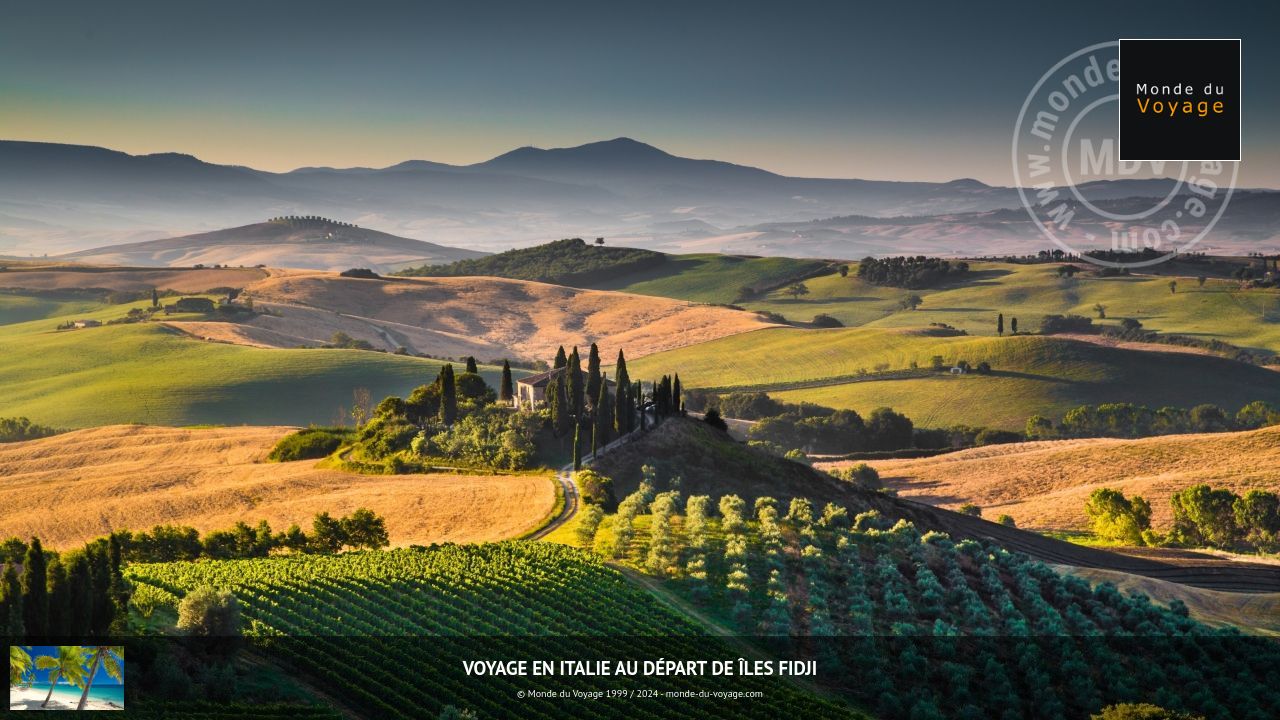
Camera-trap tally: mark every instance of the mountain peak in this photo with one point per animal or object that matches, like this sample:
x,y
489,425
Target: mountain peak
x,y
621,148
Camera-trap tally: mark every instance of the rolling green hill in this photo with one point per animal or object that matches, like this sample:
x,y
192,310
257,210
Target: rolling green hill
x,y
711,278
563,262
151,373
1248,318
23,308
1031,374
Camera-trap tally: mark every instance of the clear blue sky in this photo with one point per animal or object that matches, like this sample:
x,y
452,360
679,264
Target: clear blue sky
x,y
42,676
880,90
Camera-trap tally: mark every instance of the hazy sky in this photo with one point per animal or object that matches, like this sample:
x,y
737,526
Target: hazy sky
x,y
877,90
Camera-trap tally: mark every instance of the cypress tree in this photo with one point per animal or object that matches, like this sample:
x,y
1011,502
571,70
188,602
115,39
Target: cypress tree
x,y
155,298
59,598
604,419
593,373
677,401
644,417
12,603
103,608
558,405
637,403
561,361
80,592
577,446
1000,324
505,390
1013,326
35,591
623,410
471,365
448,395
576,386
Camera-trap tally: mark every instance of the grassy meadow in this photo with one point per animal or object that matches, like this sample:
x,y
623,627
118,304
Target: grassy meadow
x,y
1030,374
151,373
1248,318
709,277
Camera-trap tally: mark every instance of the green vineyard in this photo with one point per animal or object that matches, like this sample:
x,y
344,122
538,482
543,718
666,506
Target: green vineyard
x,y
386,633
919,627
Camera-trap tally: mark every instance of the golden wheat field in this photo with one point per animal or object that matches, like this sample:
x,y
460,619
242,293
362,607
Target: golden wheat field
x,y
481,316
73,487
1044,485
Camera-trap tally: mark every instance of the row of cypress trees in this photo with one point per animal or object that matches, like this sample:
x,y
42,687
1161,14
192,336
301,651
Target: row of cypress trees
x,y
80,594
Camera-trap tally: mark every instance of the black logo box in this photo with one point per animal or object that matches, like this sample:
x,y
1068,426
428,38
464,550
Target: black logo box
x,y
1189,63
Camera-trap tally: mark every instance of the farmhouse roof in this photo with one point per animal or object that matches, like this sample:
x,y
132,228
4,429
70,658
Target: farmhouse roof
x,y
542,378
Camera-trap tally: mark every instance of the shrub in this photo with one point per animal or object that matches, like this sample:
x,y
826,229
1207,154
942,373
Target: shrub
x,y
595,489
1115,517
309,444
1051,324
992,436
823,320
970,509
1006,520
712,418
210,613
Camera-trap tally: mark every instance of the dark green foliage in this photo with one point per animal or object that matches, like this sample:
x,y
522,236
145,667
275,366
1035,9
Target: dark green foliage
x,y
35,590
11,612
310,444
471,386
506,390
17,429
624,402
910,272
575,385
1000,324
365,529
423,404
712,418
1131,421
361,273
823,320
471,365
593,373
595,489
602,420
448,395
888,430
561,359
1204,516
1051,324
577,446
563,262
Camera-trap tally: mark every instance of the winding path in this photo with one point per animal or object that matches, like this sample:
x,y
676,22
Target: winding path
x,y
565,478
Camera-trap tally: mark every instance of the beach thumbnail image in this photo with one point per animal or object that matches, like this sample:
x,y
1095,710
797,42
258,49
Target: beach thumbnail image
x,y
66,677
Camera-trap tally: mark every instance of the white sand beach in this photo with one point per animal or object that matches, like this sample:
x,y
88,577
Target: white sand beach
x,y
21,698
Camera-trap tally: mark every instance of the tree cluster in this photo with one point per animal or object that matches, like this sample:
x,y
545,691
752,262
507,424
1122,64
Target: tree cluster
x,y
914,272
562,262
1126,420
80,593
362,529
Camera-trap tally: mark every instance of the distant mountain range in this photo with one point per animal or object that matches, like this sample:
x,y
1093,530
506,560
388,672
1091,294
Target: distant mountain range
x,y
315,244
64,198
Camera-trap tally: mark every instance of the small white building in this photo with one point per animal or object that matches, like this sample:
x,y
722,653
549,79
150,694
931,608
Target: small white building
x,y
88,323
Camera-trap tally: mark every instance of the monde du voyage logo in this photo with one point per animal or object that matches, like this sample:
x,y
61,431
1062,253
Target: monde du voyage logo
x,y
1163,114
